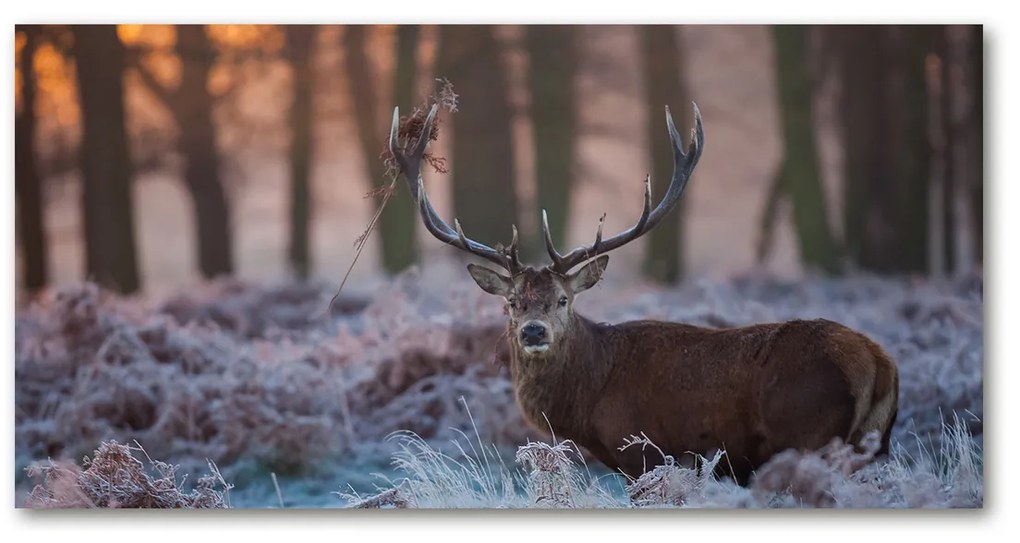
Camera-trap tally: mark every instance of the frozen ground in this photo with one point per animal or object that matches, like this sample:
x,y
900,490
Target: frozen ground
x,y
261,379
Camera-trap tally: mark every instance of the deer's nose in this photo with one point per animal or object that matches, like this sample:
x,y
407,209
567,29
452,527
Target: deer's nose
x,y
533,333
533,330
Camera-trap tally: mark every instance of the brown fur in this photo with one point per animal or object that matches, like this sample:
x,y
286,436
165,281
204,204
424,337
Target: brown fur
x,y
753,391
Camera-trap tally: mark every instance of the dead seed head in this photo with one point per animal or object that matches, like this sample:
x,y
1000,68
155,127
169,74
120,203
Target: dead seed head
x,y
411,127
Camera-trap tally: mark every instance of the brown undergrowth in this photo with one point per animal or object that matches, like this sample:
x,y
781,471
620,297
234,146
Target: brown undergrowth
x,y
114,478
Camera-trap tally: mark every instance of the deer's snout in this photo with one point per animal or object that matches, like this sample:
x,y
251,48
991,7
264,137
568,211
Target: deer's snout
x,y
535,336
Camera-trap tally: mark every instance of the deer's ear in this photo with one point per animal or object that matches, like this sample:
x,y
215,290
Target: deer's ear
x,y
586,277
490,281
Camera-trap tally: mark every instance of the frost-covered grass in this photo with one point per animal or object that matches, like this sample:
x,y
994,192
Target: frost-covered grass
x,y
555,475
475,476
262,379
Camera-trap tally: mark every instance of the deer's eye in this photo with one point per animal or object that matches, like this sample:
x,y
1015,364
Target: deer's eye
x,y
563,301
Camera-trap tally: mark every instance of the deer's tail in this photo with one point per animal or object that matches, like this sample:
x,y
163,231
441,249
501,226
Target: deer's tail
x,y
877,410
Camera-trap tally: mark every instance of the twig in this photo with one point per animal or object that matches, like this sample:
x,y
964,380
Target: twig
x,y
279,495
363,240
394,496
215,470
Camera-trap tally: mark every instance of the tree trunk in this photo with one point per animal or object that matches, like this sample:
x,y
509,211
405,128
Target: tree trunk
x,y
800,175
399,220
484,194
28,183
664,85
964,119
937,218
940,190
884,122
975,132
396,226
552,53
913,44
300,47
859,55
105,161
193,110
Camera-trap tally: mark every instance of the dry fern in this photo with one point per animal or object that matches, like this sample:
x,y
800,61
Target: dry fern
x,y
550,473
114,478
670,484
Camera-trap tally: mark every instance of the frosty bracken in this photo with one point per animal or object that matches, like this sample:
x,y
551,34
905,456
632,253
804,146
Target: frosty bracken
x,y
753,391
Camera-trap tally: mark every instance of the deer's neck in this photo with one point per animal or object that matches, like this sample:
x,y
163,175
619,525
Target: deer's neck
x,y
563,384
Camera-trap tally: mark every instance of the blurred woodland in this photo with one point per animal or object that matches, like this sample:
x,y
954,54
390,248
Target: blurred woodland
x,y
159,154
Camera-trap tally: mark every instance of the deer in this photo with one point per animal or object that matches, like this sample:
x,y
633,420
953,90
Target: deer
x,y
750,391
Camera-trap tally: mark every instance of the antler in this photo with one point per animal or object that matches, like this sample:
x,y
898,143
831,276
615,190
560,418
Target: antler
x,y
410,166
683,165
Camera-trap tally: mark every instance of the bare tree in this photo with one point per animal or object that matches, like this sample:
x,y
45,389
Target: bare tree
x,y
552,55
300,48
974,74
400,250
483,149
396,225
963,71
664,86
799,177
28,182
192,106
111,258
884,122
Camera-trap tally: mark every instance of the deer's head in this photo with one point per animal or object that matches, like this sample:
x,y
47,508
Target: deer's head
x,y
540,301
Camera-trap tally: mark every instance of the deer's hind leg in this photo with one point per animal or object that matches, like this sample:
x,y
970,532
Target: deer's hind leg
x,y
804,404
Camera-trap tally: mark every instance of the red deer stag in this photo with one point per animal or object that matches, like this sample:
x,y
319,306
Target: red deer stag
x,y
752,391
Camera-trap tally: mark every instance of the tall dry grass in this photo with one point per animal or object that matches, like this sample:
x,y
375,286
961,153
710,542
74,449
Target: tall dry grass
x,y
554,475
